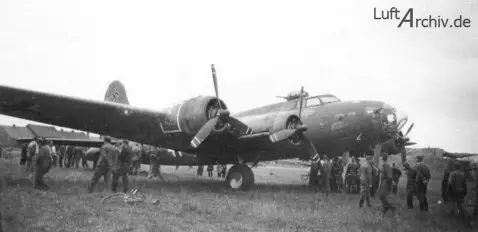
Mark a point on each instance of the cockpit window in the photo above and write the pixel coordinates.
(329, 99)
(312, 102)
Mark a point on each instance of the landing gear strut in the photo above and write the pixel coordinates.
(240, 177)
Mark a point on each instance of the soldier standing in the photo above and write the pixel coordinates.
(105, 163)
(24, 155)
(61, 158)
(223, 171)
(313, 174)
(423, 176)
(411, 176)
(124, 161)
(219, 170)
(396, 177)
(33, 149)
(327, 175)
(474, 174)
(366, 181)
(337, 169)
(386, 184)
(457, 189)
(210, 168)
(42, 164)
(200, 170)
(136, 161)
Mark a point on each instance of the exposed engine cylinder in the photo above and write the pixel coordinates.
(190, 115)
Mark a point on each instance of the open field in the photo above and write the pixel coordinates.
(279, 201)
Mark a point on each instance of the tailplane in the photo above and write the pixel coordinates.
(116, 93)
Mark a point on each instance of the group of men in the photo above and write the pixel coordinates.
(369, 179)
(220, 168)
(38, 160)
(455, 188)
(388, 176)
(113, 161)
(67, 156)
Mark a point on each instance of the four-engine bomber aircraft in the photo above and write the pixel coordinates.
(296, 128)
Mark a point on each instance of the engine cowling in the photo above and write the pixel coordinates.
(190, 115)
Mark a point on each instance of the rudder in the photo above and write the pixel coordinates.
(116, 92)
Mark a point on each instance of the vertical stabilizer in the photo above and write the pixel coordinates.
(116, 93)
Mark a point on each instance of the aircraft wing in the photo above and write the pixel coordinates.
(114, 119)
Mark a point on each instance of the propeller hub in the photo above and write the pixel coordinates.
(223, 114)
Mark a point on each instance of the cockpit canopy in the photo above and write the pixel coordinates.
(319, 100)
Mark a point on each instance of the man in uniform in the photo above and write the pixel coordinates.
(124, 161)
(105, 163)
(386, 184)
(200, 170)
(24, 155)
(396, 177)
(154, 168)
(61, 155)
(411, 186)
(457, 189)
(313, 174)
(42, 164)
(69, 156)
(337, 169)
(423, 176)
(474, 174)
(365, 181)
(33, 149)
(210, 168)
(136, 165)
(327, 175)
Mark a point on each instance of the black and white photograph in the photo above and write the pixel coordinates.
(158, 116)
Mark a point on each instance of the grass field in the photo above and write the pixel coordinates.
(279, 201)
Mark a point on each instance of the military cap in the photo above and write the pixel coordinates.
(406, 165)
(107, 139)
(125, 141)
(419, 157)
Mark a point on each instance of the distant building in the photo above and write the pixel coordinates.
(10, 134)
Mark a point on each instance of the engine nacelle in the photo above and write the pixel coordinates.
(190, 115)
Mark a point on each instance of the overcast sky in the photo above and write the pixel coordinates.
(162, 52)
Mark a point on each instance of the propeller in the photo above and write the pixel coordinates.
(217, 124)
(401, 141)
(286, 133)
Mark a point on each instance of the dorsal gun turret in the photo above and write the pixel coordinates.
(294, 95)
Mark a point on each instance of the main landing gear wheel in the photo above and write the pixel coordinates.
(240, 177)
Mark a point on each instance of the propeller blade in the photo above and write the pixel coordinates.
(301, 99)
(286, 133)
(311, 150)
(281, 135)
(204, 132)
(410, 143)
(409, 129)
(214, 78)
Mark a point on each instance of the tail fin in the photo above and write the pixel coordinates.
(116, 93)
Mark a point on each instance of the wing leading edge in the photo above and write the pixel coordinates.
(114, 119)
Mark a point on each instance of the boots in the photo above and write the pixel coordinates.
(361, 203)
(368, 202)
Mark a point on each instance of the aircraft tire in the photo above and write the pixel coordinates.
(240, 177)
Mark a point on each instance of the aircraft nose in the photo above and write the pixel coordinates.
(394, 117)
